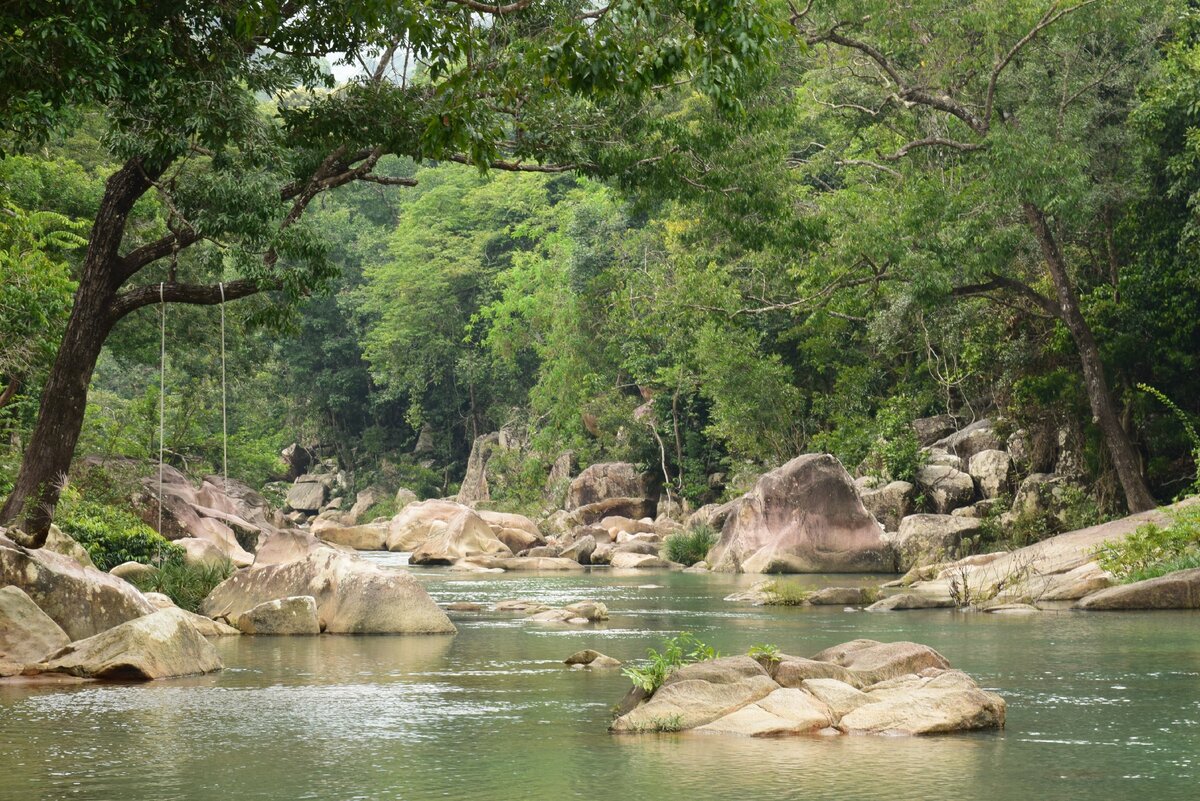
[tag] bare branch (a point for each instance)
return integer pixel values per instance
(517, 166)
(1021, 288)
(932, 141)
(498, 10)
(1052, 15)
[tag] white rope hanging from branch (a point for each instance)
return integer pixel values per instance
(224, 409)
(162, 391)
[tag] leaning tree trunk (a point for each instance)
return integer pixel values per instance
(51, 447)
(1124, 455)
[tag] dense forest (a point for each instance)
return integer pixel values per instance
(723, 256)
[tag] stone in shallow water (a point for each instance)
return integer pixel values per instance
(784, 711)
(296, 615)
(935, 702)
(163, 645)
(590, 658)
(698, 694)
(1178, 590)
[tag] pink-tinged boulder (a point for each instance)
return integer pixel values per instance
(288, 545)
(516, 531)
(463, 536)
(353, 596)
(804, 517)
(417, 522)
(82, 600)
(158, 646)
(610, 489)
(367, 537)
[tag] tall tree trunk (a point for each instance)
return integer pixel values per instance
(60, 417)
(1104, 411)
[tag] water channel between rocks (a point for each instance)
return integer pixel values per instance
(1100, 706)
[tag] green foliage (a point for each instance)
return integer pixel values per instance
(785, 593)
(691, 546)
(1188, 428)
(112, 536)
(185, 584)
(896, 454)
(765, 652)
(677, 651)
(1154, 550)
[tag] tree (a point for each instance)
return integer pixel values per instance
(1002, 124)
(523, 86)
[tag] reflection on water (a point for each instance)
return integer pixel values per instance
(1100, 706)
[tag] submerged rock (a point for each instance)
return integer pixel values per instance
(353, 596)
(590, 658)
(159, 646)
(909, 600)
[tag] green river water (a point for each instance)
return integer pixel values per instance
(1100, 706)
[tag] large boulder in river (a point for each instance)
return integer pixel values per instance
(353, 596)
(860, 687)
(462, 536)
(804, 517)
(367, 537)
(936, 701)
(417, 522)
(699, 693)
(294, 615)
(1178, 590)
(82, 600)
(159, 646)
(607, 489)
(27, 634)
(516, 531)
(288, 545)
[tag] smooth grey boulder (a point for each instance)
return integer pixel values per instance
(27, 634)
(353, 596)
(82, 600)
(1178, 590)
(930, 539)
(163, 645)
(991, 470)
(286, 616)
(946, 487)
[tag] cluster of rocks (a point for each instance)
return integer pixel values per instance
(58, 616)
(860, 687)
(966, 473)
(1059, 572)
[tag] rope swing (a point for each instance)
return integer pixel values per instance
(162, 395)
(162, 392)
(224, 412)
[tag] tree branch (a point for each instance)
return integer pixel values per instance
(1049, 18)
(1003, 282)
(932, 141)
(497, 10)
(194, 294)
(517, 166)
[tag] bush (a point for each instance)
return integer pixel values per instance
(1153, 551)
(691, 546)
(112, 536)
(785, 593)
(186, 585)
(674, 654)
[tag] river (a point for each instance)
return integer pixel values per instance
(1100, 706)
